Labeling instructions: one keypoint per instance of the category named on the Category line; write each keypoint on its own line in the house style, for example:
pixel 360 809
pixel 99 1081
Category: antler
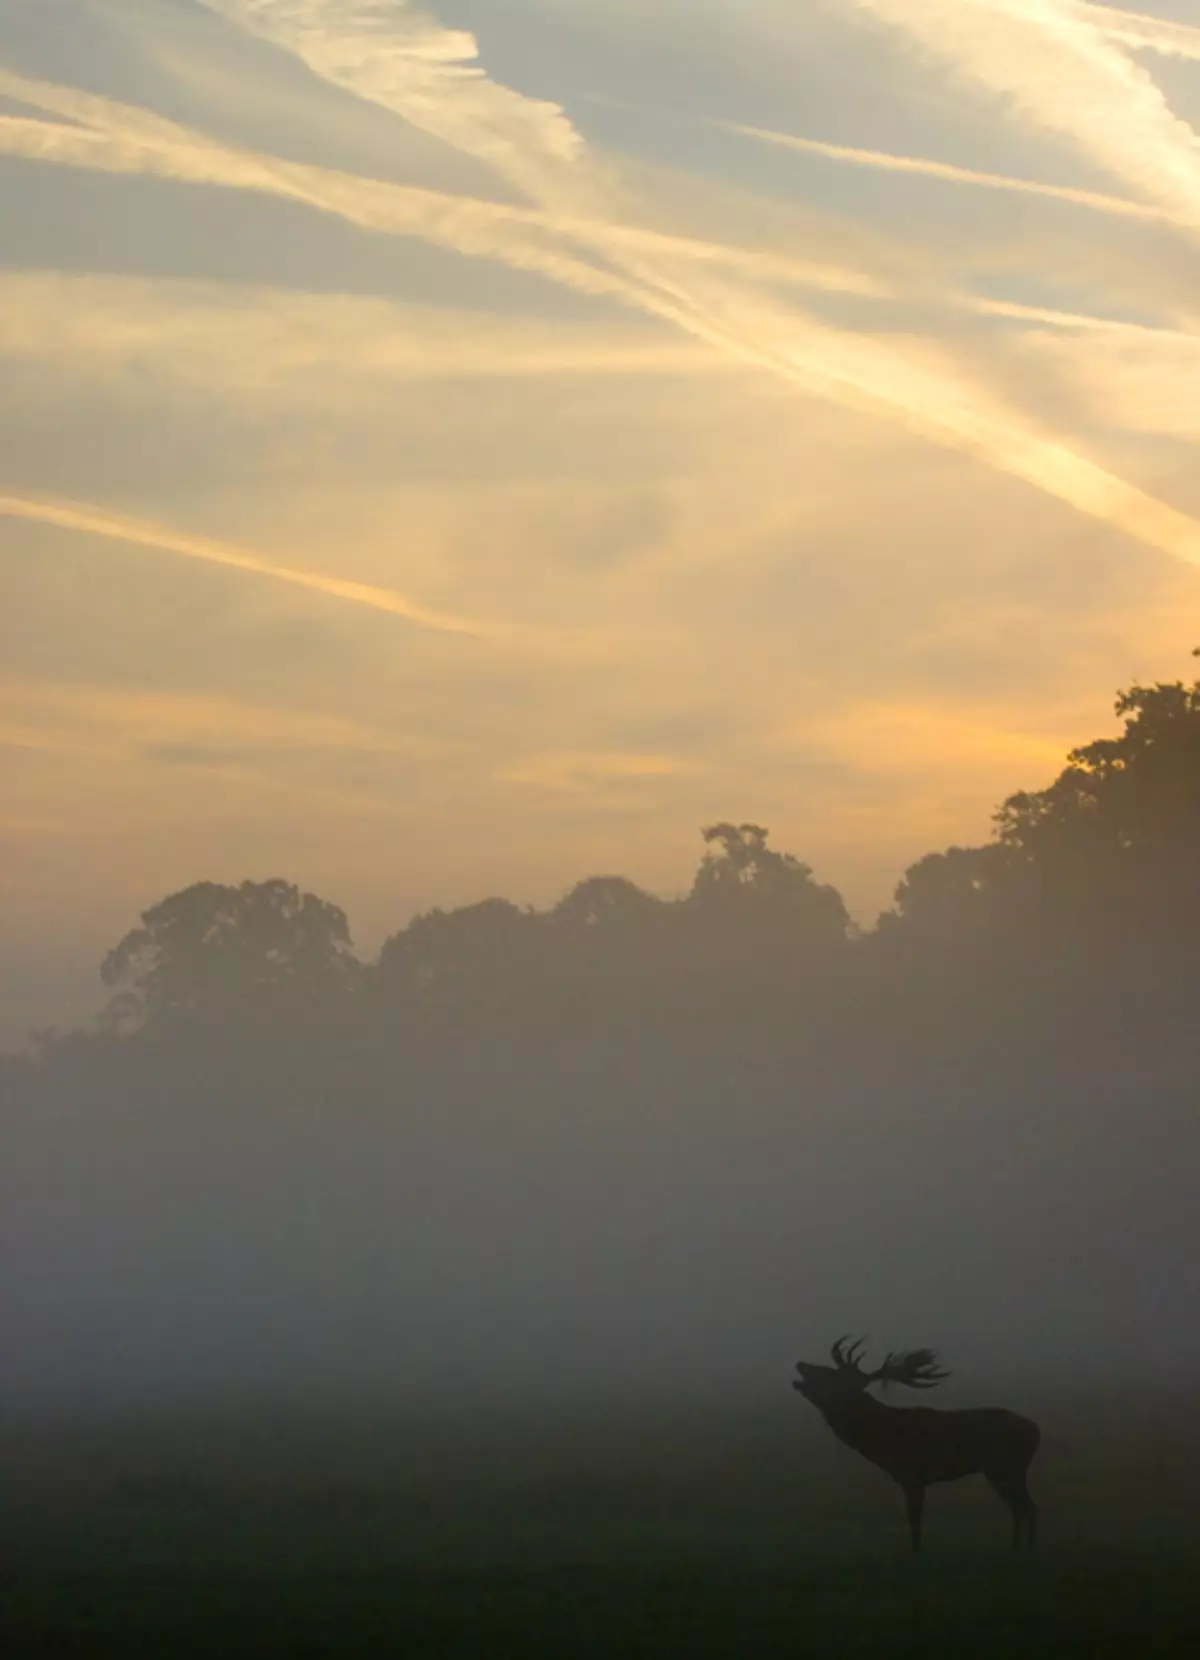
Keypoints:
pixel 846 1360
pixel 915 1368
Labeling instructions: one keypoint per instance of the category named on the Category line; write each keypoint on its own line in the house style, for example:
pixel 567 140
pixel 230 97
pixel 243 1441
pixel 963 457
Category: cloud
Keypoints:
pixel 585 772
pixel 157 724
pixel 1060 72
pixel 1150 34
pixel 915 738
pixel 113 137
pixel 657 274
pixel 1141 381
pixel 464 225
pixel 858 370
pixel 265 341
pixel 912 388
pixel 395 55
pixel 97 521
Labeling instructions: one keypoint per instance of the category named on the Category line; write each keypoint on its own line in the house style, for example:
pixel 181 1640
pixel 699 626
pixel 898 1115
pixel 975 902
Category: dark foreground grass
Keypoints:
pixel 1122 1605
pixel 622 1539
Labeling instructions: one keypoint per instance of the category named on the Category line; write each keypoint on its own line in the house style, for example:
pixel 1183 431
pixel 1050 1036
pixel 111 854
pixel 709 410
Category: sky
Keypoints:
pixel 455 450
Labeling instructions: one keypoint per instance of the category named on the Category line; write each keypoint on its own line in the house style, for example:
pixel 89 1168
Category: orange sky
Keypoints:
pixel 455 454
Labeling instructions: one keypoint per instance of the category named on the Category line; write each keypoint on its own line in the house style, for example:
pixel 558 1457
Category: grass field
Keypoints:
pixel 698 1535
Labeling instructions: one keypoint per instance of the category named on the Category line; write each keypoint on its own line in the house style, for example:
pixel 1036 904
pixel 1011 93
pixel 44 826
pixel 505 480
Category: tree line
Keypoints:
pixel 1088 887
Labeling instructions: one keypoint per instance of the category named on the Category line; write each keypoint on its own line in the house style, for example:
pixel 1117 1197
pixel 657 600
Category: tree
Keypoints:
pixel 1122 805
pixel 954 894
pixel 1106 855
pixel 474 958
pixel 613 954
pixel 212 951
pixel 760 934
pixel 746 881
pixel 607 903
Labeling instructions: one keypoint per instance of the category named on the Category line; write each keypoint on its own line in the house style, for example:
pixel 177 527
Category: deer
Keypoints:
pixel 920 1445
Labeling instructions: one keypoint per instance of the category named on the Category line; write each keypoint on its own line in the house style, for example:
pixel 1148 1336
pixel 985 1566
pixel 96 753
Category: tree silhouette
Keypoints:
pixel 742 876
pixel 1088 891
pixel 212 951
pixel 613 954
pixel 608 904
pixel 1113 843
pixel 475 960
pixel 749 890
pixel 953 896
pixel 1123 818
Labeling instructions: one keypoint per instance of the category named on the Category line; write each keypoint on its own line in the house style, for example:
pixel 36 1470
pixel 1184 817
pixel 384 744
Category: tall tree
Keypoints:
pixel 741 879
pixel 763 936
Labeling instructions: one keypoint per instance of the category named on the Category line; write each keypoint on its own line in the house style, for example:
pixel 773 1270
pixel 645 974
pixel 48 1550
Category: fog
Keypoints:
pixel 642 1223
pixel 614 1228
pixel 630 1151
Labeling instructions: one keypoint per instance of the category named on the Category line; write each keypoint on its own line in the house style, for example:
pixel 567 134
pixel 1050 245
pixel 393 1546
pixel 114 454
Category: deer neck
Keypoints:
pixel 855 1421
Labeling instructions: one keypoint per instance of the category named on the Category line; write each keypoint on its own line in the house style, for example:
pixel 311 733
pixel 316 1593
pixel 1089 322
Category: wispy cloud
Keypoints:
pixel 96 521
pixel 915 388
pixel 396 55
pixel 587 772
pixel 1150 34
pixel 301 347
pixel 113 137
pixel 356 52
pixel 1141 381
pixel 48 715
pixel 124 140
pixel 1056 68
pixel 117 141
pixel 660 275
pixel 893 735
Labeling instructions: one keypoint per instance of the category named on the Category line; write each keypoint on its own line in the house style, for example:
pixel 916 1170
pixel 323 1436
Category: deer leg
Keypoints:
pixel 1013 1491
pixel 1027 1510
pixel 914 1498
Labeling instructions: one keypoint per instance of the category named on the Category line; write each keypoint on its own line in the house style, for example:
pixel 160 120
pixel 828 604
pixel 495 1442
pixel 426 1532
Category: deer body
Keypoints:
pixel 917 1446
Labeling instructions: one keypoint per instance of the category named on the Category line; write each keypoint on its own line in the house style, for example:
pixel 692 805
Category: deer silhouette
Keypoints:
pixel 919 1445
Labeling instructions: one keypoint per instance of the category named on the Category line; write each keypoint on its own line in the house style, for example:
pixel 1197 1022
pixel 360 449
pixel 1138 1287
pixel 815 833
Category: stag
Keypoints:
pixel 919 1445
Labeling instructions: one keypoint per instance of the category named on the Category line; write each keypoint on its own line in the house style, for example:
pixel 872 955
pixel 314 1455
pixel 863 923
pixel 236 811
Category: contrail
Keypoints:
pixel 117 527
pixel 887 162
pixel 121 138
pixel 469 225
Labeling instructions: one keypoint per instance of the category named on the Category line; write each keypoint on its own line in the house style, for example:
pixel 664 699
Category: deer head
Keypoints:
pixel 837 1385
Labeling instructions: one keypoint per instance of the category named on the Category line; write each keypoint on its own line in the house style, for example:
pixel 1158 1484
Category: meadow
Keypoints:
pixel 697 1532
